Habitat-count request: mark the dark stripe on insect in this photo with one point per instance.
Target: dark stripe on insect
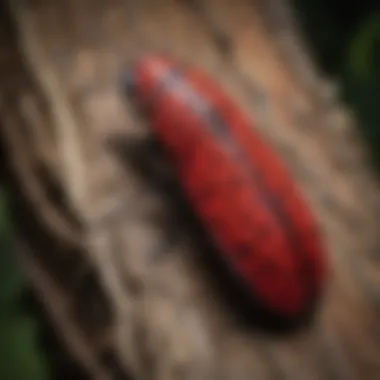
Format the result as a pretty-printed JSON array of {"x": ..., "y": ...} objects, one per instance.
[
  {"x": 271, "y": 201},
  {"x": 173, "y": 81}
]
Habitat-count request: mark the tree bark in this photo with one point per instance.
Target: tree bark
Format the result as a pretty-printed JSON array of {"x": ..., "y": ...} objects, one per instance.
[{"x": 118, "y": 292}]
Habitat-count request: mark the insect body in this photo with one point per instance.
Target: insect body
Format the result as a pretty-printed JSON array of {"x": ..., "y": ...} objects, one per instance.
[{"x": 242, "y": 193}]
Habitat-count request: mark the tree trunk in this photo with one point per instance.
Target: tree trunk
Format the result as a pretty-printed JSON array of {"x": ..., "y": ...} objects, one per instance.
[{"x": 116, "y": 289}]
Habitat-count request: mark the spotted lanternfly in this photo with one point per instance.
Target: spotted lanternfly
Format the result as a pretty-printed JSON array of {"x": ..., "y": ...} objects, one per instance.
[{"x": 242, "y": 193}]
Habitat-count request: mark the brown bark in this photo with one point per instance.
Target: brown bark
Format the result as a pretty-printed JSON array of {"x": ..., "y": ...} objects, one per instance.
[{"x": 86, "y": 227}]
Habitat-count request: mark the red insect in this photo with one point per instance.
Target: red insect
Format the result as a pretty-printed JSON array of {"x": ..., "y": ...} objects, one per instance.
[{"x": 241, "y": 191}]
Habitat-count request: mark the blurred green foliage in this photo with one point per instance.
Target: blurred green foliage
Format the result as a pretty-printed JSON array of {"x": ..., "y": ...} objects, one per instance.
[
  {"x": 345, "y": 37},
  {"x": 21, "y": 357},
  {"x": 361, "y": 81}
]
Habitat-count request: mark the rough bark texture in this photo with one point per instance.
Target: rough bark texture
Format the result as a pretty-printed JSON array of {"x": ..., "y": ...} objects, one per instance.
[{"x": 88, "y": 237}]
